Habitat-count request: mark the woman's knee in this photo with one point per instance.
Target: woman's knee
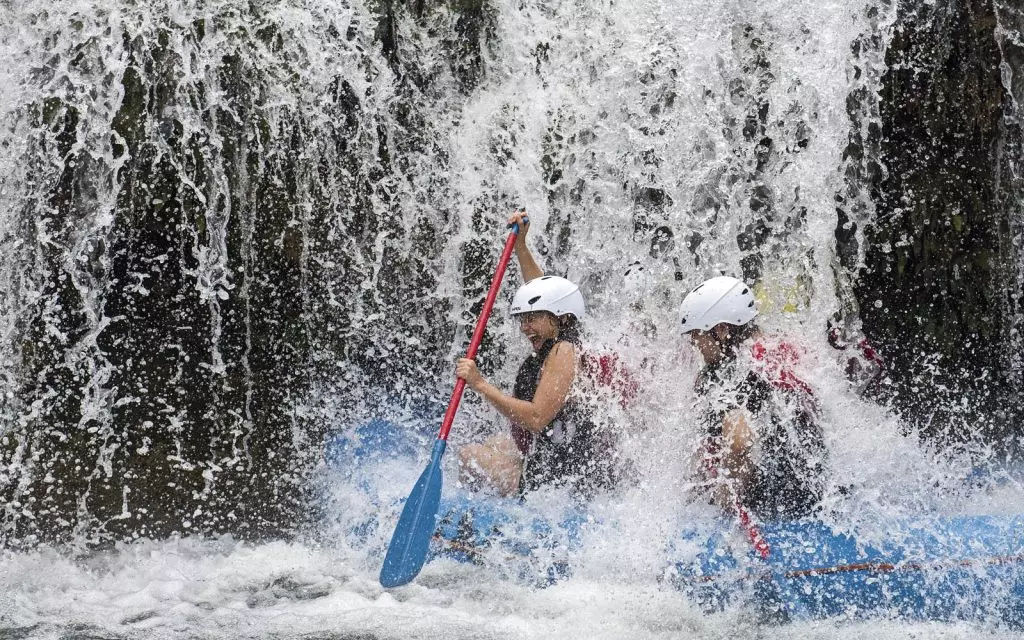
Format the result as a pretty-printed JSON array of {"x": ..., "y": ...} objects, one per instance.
[
  {"x": 491, "y": 464},
  {"x": 469, "y": 453}
]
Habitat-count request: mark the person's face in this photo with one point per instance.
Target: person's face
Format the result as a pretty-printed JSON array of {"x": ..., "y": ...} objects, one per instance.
[
  {"x": 708, "y": 345},
  {"x": 538, "y": 327}
]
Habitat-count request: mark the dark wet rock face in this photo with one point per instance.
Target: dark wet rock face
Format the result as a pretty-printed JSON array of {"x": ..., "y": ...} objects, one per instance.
[{"x": 940, "y": 267}]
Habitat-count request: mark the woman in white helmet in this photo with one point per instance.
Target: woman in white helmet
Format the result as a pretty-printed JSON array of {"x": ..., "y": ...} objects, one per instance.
[
  {"x": 553, "y": 439},
  {"x": 764, "y": 449}
]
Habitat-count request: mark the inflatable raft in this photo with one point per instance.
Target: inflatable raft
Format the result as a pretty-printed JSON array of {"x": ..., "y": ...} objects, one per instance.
[{"x": 936, "y": 568}]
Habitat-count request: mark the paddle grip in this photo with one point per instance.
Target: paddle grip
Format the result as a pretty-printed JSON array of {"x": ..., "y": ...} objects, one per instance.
[{"x": 478, "y": 332}]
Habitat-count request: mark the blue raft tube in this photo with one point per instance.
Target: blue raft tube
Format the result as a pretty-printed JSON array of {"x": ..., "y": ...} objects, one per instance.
[{"x": 935, "y": 568}]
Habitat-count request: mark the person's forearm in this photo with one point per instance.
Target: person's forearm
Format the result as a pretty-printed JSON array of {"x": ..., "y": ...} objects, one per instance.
[
  {"x": 521, "y": 412},
  {"x": 527, "y": 265}
]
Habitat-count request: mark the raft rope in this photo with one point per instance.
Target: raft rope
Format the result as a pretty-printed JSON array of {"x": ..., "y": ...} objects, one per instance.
[
  {"x": 869, "y": 567},
  {"x": 889, "y": 567},
  {"x": 473, "y": 551}
]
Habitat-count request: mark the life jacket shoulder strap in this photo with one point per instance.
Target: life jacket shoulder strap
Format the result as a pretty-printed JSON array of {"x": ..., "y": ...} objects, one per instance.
[{"x": 609, "y": 371}]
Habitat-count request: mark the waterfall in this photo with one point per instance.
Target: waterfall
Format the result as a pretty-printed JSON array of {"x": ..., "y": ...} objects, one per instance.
[
  {"x": 230, "y": 228},
  {"x": 200, "y": 204}
]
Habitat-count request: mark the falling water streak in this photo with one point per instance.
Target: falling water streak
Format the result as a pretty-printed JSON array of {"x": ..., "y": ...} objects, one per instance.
[
  {"x": 1010, "y": 172},
  {"x": 863, "y": 156}
]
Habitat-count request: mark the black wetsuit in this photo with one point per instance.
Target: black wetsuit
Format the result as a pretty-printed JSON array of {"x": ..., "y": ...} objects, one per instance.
[
  {"x": 569, "y": 450},
  {"x": 789, "y": 463}
]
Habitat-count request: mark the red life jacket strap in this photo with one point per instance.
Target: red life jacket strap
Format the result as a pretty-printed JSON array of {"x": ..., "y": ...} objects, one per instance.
[
  {"x": 607, "y": 370},
  {"x": 778, "y": 362}
]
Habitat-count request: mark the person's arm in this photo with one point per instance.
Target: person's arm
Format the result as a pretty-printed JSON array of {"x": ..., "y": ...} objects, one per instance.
[
  {"x": 528, "y": 267},
  {"x": 737, "y": 440},
  {"x": 555, "y": 379}
]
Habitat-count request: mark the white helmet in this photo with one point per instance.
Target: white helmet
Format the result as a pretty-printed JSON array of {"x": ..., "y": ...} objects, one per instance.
[
  {"x": 721, "y": 299},
  {"x": 549, "y": 293}
]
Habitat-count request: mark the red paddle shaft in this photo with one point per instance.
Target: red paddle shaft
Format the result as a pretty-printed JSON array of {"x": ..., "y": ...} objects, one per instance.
[
  {"x": 753, "y": 533},
  {"x": 478, "y": 333},
  {"x": 748, "y": 524}
]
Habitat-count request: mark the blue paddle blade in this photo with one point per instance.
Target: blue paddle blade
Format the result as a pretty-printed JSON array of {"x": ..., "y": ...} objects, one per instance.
[{"x": 411, "y": 540}]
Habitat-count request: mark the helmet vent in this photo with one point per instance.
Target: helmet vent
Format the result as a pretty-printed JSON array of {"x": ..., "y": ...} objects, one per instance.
[
  {"x": 533, "y": 300},
  {"x": 751, "y": 303},
  {"x": 745, "y": 292}
]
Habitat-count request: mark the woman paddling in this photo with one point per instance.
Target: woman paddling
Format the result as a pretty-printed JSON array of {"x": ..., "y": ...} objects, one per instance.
[
  {"x": 764, "y": 449},
  {"x": 554, "y": 439}
]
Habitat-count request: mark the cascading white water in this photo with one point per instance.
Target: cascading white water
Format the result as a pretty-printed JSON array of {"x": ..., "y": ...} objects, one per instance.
[
  {"x": 1010, "y": 22},
  {"x": 338, "y": 206},
  {"x": 207, "y": 214}
]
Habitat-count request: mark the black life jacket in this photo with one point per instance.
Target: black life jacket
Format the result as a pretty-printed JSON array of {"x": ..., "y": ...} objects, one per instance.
[
  {"x": 788, "y": 474},
  {"x": 568, "y": 450}
]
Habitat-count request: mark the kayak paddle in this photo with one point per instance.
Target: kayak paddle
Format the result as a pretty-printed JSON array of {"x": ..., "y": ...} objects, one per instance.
[{"x": 411, "y": 540}]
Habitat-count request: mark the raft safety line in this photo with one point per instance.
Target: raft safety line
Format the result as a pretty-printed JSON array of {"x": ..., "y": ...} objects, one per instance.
[
  {"x": 888, "y": 567},
  {"x": 871, "y": 567}
]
